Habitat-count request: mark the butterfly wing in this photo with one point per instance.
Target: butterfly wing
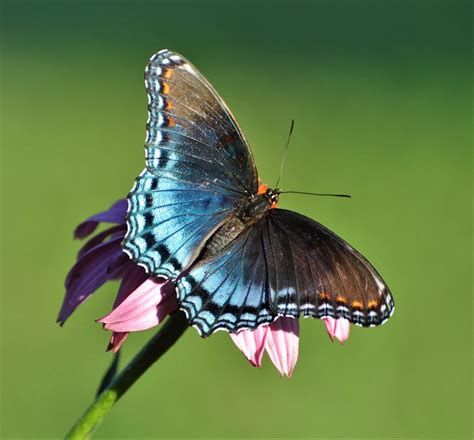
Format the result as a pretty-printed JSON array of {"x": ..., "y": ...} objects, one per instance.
[
  {"x": 191, "y": 133},
  {"x": 285, "y": 265},
  {"x": 314, "y": 272},
  {"x": 198, "y": 168},
  {"x": 229, "y": 291}
]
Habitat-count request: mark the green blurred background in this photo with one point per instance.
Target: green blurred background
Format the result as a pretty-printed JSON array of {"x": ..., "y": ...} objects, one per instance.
[{"x": 380, "y": 91}]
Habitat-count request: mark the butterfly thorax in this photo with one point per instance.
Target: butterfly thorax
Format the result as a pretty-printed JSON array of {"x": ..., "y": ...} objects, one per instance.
[
  {"x": 245, "y": 216},
  {"x": 260, "y": 203}
]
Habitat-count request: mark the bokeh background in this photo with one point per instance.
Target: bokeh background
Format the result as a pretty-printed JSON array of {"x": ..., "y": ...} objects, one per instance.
[{"x": 380, "y": 91}]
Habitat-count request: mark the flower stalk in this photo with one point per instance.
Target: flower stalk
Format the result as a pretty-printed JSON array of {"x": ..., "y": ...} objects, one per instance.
[{"x": 169, "y": 333}]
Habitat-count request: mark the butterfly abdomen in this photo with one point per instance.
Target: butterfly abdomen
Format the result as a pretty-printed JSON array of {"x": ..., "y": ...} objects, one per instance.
[{"x": 222, "y": 237}]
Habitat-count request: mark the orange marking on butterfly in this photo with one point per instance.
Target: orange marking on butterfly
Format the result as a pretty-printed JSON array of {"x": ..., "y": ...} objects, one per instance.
[
  {"x": 169, "y": 105},
  {"x": 324, "y": 296},
  {"x": 357, "y": 304},
  {"x": 165, "y": 88},
  {"x": 170, "y": 122},
  {"x": 262, "y": 189},
  {"x": 166, "y": 73},
  {"x": 373, "y": 304},
  {"x": 341, "y": 299}
]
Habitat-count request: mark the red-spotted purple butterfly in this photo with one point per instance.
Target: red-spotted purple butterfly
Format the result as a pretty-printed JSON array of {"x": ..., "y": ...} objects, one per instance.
[{"x": 198, "y": 216}]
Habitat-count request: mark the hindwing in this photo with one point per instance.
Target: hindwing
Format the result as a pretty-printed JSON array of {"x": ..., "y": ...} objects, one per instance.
[{"x": 284, "y": 265}]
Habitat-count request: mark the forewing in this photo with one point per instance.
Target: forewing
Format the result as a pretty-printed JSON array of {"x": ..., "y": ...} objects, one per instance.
[
  {"x": 191, "y": 133},
  {"x": 199, "y": 168},
  {"x": 314, "y": 272}
]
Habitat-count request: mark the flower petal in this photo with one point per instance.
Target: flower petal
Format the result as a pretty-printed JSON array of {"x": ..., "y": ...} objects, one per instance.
[
  {"x": 109, "y": 233},
  {"x": 93, "y": 269},
  {"x": 251, "y": 343},
  {"x": 337, "y": 328},
  {"x": 116, "y": 341},
  {"x": 144, "y": 308},
  {"x": 282, "y": 344},
  {"x": 115, "y": 214},
  {"x": 134, "y": 276}
]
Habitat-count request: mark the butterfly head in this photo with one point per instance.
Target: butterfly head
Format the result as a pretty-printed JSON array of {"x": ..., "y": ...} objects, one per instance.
[
  {"x": 269, "y": 195},
  {"x": 272, "y": 195}
]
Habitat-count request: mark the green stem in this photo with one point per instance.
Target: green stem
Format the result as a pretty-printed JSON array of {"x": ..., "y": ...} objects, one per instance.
[{"x": 173, "y": 328}]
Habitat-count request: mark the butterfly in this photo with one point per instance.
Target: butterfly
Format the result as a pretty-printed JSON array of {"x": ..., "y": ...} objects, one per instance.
[{"x": 198, "y": 216}]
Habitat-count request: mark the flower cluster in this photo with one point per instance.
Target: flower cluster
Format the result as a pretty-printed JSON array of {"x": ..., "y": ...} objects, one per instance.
[{"x": 144, "y": 301}]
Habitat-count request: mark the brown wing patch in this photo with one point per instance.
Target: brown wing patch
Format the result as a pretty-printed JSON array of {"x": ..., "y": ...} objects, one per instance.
[{"x": 315, "y": 273}]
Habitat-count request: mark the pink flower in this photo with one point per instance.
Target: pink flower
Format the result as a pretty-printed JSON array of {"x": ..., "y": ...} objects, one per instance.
[
  {"x": 143, "y": 308},
  {"x": 99, "y": 260},
  {"x": 337, "y": 328},
  {"x": 143, "y": 301},
  {"x": 280, "y": 340}
]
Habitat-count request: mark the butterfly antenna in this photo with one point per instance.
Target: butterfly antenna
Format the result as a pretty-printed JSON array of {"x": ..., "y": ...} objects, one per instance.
[
  {"x": 284, "y": 154},
  {"x": 316, "y": 194}
]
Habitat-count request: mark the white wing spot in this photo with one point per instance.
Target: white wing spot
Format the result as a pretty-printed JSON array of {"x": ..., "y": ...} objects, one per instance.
[
  {"x": 188, "y": 68},
  {"x": 160, "y": 120},
  {"x": 380, "y": 285},
  {"x": 160, "y": 102}
]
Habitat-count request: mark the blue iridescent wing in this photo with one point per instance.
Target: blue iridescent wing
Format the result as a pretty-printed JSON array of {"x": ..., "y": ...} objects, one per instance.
[
  {"x": 198, "y": 168},
  {"x": 191, "y": 133},
  {"x": 284, "y": 265},
  {"x": 169, "y": 221},
  {"x": 229, "y": 291}
]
